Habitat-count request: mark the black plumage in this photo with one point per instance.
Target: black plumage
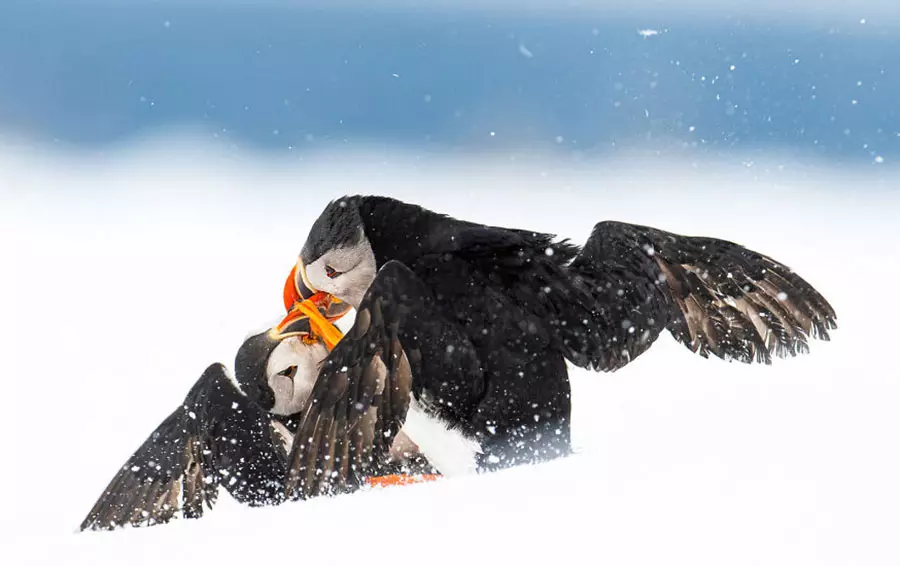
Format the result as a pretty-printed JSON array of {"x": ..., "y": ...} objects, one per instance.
[
  {"x": 224, "y": 434},
  {"x": 486, "y": 318},
  {"x": 217, "y": 437}
]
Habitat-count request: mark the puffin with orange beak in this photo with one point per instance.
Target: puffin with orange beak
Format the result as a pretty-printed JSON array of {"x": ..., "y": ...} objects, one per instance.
[
  {"x": 237, "y": 433},
  {"x": 485, "y": 318}
]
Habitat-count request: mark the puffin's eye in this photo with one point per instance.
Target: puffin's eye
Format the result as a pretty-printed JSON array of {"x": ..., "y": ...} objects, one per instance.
[
  {"x": 288, "y": 372},
  {"x": 331, "y": 272}
]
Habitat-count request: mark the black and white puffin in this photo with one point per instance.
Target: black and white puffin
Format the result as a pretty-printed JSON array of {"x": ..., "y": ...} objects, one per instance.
[
  {"x": 486, "y": 317},
  {"x": 237, "y": 435}
]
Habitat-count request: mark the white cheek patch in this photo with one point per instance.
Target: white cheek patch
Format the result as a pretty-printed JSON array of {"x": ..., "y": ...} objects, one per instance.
[
  {"x": 357, "y": 267},
  {"x": 284, "y": 390},
  {"x": 291, "y": 394},
  {"x": 315, "y": 273}
]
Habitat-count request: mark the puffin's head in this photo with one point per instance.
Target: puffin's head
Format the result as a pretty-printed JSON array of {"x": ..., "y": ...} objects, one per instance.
[
  {"x": 337, "y": 258},
  {"x": 278, "y": 367}
]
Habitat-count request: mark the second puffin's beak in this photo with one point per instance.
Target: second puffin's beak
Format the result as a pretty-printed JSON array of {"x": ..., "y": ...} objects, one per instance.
[
  {"x": 305, "y": 318},
  {"x": 297, "y": 287}
]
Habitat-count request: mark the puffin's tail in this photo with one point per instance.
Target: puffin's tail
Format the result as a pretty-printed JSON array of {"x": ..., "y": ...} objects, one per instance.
[{"x": 714, "y": 297}]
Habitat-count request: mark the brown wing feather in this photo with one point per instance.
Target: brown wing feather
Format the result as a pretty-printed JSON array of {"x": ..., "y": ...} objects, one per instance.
[
  {"x": 362, "y": 393},
  {"x": 738, "y": 304},
  {"x": 178, "y": 468},
  {"x": 364, "y": 386},
  {"x": 354, "y": 415},
  {"x": 714, "y": 296},
  {"x": 148, "y": 489}
]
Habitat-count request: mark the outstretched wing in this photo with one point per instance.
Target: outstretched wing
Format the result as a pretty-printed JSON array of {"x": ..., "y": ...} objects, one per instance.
[
  {"x": 361, "y": 396},
  {"x": 178, "y": 469},
  {"x": 714, "y": 296}
]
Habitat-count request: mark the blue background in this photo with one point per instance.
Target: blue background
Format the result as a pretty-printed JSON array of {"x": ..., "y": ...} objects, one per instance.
[{"x": 282, "y": 78}]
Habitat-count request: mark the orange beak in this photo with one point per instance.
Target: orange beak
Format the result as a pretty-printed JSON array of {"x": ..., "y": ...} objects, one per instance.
[
  {"x": 291, "y": 293},
  {"x": 318, "y": 324},
  {"x": 297, "y": 287},
  {"x": 302, "y": 302}
]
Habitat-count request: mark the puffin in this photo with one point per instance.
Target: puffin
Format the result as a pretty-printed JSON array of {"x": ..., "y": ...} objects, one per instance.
[
  {"x": 486, "y": 318},
  {"x": 236, "y": 433}
]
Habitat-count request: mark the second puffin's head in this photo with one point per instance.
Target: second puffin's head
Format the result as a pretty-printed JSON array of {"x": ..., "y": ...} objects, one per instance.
[
  {"x": 337, "y": 258},
  {"x": 277, "y": 368},
  {"x": 278, "y": 375}
]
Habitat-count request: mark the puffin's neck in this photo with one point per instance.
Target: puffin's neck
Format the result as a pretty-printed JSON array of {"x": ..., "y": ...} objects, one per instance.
[{"x": 399, "y": 231}]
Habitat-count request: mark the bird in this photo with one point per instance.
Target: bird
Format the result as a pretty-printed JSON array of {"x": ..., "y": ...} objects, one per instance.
[
  {"x": 236, "y": 433},
  {"x": 486, "y": 318}
]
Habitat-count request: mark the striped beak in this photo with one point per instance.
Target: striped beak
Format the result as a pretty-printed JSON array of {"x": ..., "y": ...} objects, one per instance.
[
  {"x": 309, "y": 310},
  {"x": 297, "y": 287},
  {"x": 306, "y": 319}
]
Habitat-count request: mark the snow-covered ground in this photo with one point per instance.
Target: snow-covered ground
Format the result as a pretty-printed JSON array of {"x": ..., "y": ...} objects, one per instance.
[{"x": 125, "y": 274}]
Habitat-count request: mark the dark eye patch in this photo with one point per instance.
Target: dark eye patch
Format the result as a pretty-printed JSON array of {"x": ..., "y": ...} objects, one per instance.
[{"x": 288, "y": 372}]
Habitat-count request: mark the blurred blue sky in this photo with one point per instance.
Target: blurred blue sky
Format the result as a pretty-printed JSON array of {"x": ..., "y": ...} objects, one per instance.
[{"x": 288, "y": 76}]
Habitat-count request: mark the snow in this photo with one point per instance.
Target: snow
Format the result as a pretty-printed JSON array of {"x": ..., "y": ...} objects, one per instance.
[{"x": 126, "y": 273}]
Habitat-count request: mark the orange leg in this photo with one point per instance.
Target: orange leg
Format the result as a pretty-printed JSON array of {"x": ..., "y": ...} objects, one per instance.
[{"x": 400, "y": 479}]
